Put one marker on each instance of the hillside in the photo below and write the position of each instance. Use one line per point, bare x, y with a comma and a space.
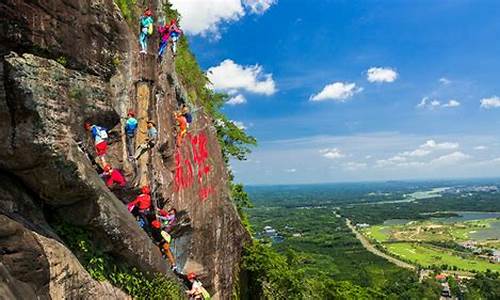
65, 234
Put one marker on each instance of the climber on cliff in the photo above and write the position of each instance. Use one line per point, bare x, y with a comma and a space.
150, 141
112, 176
141, 205
99, 135
197, 291
146, 29
175, 34
130, 131
167, 218
165, 35
163, 239
182, 122
187, 115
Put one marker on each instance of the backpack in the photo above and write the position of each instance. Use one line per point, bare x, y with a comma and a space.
189, 117
102, 133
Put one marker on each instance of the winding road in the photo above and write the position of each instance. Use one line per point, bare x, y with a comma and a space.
368, 246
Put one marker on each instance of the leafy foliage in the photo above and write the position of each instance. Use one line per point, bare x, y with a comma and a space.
128, 8
484, 286
101, 266
275, 276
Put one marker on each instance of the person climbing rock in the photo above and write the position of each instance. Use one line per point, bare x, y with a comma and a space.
150, 141
130, 131
165, 35
187, 115
197, 291
167, 219
143, 202
163, 239
99, 135
146, 29
182, 122
112, 176
175, 34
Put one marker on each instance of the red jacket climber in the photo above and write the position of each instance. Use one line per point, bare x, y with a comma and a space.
113, 176
143, 201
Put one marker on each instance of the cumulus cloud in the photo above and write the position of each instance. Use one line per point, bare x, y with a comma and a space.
239, 124
417, 152
381, 75
444, 81
290, 170
452, 103
432, 144
238, 99
451, 158
206, 17
432, 104
480, 147
339, 91
411, 158
492, 102
229, 76
333, 153
259, 6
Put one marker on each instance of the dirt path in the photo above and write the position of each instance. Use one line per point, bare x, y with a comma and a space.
368, 246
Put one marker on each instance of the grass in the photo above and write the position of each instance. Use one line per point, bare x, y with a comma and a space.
427, 256
376, 233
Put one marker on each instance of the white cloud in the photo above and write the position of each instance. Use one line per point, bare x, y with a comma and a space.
480, 147
238, 99
239, 124
409, 158
452, 103
492, 102
444, 81
451, 158
431, 144
259, 6
205, 17
229, 76
354, 166
381, 75
417, 153
333, 153
202, 17
432, 104
290, 170
339, 91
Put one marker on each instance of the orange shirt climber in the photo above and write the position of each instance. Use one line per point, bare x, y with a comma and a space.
182, 122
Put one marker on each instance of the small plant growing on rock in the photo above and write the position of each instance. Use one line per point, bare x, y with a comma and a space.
116, 60
77, 93
62, 60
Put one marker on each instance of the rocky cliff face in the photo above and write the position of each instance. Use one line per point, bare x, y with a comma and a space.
66, 61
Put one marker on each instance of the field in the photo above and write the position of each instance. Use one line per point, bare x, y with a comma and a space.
418, 242
378, 232
427, 256
429, 231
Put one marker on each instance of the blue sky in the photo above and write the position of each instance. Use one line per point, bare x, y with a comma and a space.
355, 90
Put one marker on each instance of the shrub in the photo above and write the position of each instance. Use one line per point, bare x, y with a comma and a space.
101, 266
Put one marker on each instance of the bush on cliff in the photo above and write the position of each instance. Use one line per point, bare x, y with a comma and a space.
101, 266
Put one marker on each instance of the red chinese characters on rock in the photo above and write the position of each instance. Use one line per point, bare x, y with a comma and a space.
184, 168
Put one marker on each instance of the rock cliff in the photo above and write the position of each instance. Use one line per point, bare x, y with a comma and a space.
63, 62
